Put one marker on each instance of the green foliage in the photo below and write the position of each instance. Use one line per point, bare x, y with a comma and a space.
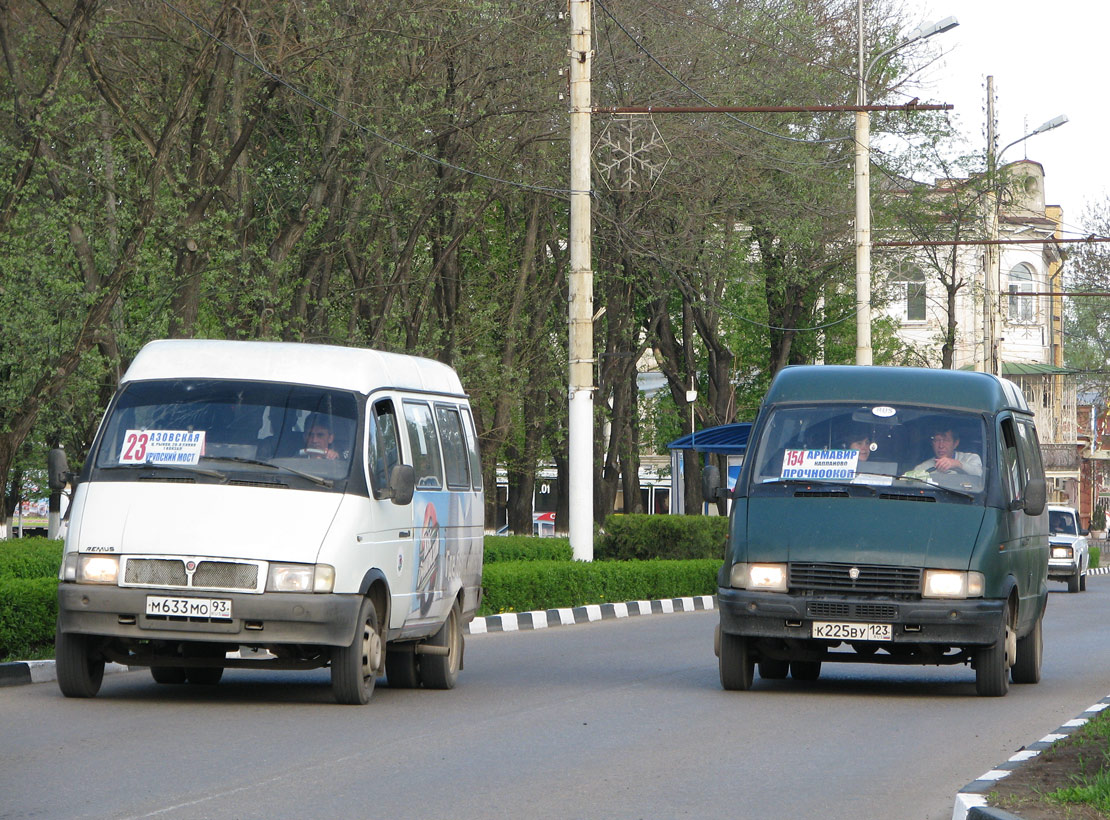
676, 537
501, 548
30, 558
1098, 518
523, 586
28, 610
1096, 556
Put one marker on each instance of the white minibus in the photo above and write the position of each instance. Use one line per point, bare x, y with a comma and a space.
278, 506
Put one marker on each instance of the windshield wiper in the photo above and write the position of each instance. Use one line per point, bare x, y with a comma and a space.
315, 479
185, 468
932, 486
819, 484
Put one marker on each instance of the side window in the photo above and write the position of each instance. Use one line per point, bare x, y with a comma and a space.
472, 450
1010, 463
425, 446
383, 450
455, 463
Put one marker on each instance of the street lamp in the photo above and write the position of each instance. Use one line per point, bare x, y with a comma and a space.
863, 181
1055, 122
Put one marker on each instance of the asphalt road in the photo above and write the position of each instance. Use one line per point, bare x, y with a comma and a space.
614, 719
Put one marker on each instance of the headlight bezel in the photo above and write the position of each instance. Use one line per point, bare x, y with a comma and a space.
951, 584
759, 576
293, 577
91, 568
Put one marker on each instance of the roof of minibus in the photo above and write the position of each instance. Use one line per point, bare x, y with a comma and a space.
346, 368
902, 385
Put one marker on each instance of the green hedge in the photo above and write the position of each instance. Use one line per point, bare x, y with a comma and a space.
501, 548
1096, 556
539, 585
677, 537
30, 558
28, 610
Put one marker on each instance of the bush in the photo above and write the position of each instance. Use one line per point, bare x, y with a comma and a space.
28, 611
678, 537
1096, 556
540, 585
30, 558
500, 548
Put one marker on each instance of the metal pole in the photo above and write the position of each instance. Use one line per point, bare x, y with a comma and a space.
580, 423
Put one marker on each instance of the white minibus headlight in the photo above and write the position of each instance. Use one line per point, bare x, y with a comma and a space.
759, 577
1061, 552
300, 578
97, 569
943, 583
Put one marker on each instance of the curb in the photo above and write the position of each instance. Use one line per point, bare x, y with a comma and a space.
542, 619
21, 672
18, 673
971, 800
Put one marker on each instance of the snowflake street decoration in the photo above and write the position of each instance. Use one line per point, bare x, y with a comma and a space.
630, 153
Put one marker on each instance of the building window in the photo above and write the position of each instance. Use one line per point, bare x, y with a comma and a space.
1021, 307
909, 292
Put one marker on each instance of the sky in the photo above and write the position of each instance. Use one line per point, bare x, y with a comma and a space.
1047, 58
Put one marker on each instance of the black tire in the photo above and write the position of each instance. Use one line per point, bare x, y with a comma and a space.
1027, 667
1073, 583
1083, 582
401, 668
442, 671
805, 670
204, 675
992, 673
80, 672
168, 674
774, 669
355, 668
737, 664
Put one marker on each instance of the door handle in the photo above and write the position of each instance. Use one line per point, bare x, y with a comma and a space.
404, 534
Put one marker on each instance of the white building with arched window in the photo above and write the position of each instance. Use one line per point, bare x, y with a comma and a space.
1002, 295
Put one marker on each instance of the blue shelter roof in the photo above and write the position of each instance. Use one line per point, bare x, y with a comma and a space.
730, 439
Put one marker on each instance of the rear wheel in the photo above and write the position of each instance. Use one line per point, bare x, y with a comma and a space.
1083, 582
737, 666
168, 674
1027, 667
355, 668
1073, 583
774, 669
401, 668
805, 670
441, 671
80, 672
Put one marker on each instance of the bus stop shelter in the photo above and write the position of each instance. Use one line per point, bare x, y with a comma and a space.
730, 440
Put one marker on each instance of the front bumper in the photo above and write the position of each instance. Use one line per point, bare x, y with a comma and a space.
970, 622
268, 618
1063, 569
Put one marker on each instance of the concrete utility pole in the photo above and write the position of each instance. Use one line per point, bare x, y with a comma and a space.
988, 361
863, 178
580, 423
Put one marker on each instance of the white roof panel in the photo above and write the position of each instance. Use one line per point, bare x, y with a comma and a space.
347, 368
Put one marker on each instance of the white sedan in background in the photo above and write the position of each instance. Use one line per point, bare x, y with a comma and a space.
1069, 555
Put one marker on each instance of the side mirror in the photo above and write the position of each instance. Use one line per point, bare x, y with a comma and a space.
1036, 496
402, 484
57, 469
710, 483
